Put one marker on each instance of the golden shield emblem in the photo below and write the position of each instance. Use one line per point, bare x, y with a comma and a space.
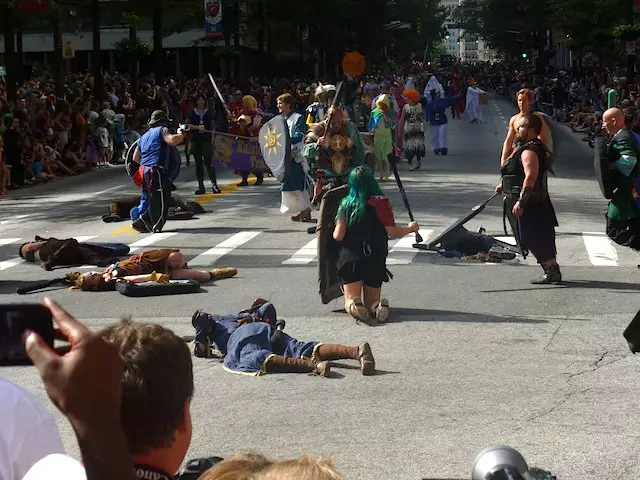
338, 143
338, 163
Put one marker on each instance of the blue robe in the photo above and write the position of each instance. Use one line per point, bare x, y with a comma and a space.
294, 179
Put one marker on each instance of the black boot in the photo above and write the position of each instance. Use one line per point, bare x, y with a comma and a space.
200, 190
552, 276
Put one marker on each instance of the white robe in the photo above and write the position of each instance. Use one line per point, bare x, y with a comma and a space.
433, 84
475, 111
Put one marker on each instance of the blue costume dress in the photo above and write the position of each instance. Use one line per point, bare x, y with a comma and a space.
247, 348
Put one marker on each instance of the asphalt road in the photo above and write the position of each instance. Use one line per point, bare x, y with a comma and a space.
474, 354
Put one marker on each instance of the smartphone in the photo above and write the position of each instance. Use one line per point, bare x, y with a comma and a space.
14, 320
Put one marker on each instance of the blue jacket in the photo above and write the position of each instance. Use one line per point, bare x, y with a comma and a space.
435, 113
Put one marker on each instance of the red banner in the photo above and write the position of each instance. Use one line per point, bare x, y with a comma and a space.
34, 6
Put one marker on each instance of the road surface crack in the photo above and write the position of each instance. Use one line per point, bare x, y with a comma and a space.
567, 397
598, 364
552, 337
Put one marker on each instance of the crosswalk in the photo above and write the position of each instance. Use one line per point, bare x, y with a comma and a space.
582, 249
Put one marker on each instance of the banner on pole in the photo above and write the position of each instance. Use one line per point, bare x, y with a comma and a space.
239, 153
213, 18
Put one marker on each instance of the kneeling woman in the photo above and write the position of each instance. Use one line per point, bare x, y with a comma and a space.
363, 225
163, 264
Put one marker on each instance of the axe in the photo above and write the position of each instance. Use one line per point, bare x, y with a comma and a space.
68, 280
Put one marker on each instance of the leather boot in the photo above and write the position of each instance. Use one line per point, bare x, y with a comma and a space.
281, 364
220, 273
362, 353
552, 276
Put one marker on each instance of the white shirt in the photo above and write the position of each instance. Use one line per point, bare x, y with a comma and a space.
28, 432
56, 467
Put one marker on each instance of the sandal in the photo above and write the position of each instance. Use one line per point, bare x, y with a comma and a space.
358, 311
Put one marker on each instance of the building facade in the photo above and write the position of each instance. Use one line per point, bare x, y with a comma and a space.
463, 47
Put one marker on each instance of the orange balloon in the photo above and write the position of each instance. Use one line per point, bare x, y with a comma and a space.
353, 63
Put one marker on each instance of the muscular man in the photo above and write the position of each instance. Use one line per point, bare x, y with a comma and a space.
623, 214
525, 104
153, 154
524, 179
53, 252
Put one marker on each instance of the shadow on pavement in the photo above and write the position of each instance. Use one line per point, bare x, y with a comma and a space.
595, 284
401, 314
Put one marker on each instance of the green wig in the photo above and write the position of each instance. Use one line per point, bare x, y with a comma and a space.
362, 186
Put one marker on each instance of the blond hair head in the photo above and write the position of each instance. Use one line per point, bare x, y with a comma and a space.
241, 466
303, 468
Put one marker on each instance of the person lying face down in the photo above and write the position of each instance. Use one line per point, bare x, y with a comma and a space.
253, 343
54, 252
154, 265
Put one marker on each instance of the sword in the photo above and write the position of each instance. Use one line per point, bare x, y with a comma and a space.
215, 87
394, 167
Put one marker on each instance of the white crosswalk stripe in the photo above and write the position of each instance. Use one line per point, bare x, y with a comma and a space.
585, 249
305, 255
601, 251
403, 252
224, 248
150, 240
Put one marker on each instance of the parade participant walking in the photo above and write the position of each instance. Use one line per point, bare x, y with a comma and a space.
623, 213
381, 125
437, 117
410, 132
154, 156
253, 343
364, 223
295, 195
474, 108
524, 177
524, 99
154, 265
455, 89
201, 122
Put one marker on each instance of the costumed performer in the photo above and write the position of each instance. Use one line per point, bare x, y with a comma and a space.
295, 195
524, 180
437, 117
381, 125
475, 110
53, 252
363, 225
155, 157
249, 123
432, 84
154, 265
455, 89
410, 131
200, 120
623, 213
525, 98
253, 343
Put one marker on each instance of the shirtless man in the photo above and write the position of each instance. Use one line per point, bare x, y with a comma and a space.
525, 102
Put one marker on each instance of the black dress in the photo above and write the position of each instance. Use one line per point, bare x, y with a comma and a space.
363, 252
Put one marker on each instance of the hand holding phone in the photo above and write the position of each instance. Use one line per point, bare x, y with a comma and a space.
86, 378
15, 319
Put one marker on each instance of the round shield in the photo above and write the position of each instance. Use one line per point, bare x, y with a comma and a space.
128, 159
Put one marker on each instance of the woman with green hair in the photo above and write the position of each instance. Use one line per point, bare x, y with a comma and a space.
363, 225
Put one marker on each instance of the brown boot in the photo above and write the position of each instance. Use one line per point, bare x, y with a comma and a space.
281, 364
340, 352
220, 273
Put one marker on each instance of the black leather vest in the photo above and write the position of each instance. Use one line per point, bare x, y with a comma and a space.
513, 171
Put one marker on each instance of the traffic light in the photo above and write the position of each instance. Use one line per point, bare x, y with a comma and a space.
524, 55
444, 34
419, 28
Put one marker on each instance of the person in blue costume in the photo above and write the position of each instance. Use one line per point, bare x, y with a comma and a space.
437, 117
295, 195
253, 343
154, 157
